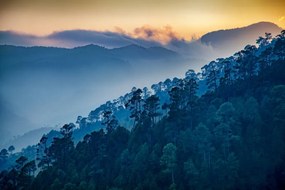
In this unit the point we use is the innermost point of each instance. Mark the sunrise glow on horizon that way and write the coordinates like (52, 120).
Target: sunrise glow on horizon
(185, 18)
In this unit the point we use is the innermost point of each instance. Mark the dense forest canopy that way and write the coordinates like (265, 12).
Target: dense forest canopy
(231, 137)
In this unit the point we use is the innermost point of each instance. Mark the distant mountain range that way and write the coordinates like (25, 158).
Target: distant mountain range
(93, 58)
(222, 41)
(40, 83)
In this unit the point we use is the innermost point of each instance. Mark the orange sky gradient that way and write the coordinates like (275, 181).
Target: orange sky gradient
(187, 18)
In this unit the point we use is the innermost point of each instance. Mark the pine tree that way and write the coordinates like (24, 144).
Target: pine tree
(151, 108)
(135, 105)
(61, 147)
(110, 121)
(210, 71)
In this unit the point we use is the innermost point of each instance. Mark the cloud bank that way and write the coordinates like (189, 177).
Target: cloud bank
(143, 36)
(163, 35)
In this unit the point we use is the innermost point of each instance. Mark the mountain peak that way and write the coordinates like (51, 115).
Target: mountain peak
(133, 46)
(231, 40)
(256, 26)
(264, 24)
(90, 46)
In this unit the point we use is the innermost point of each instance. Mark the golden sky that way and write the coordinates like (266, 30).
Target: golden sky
(186, 17)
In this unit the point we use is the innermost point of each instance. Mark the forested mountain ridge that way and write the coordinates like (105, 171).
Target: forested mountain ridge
(231, 137)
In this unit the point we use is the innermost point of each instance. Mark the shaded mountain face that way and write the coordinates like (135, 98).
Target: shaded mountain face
(228, 41)
(51, 86)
